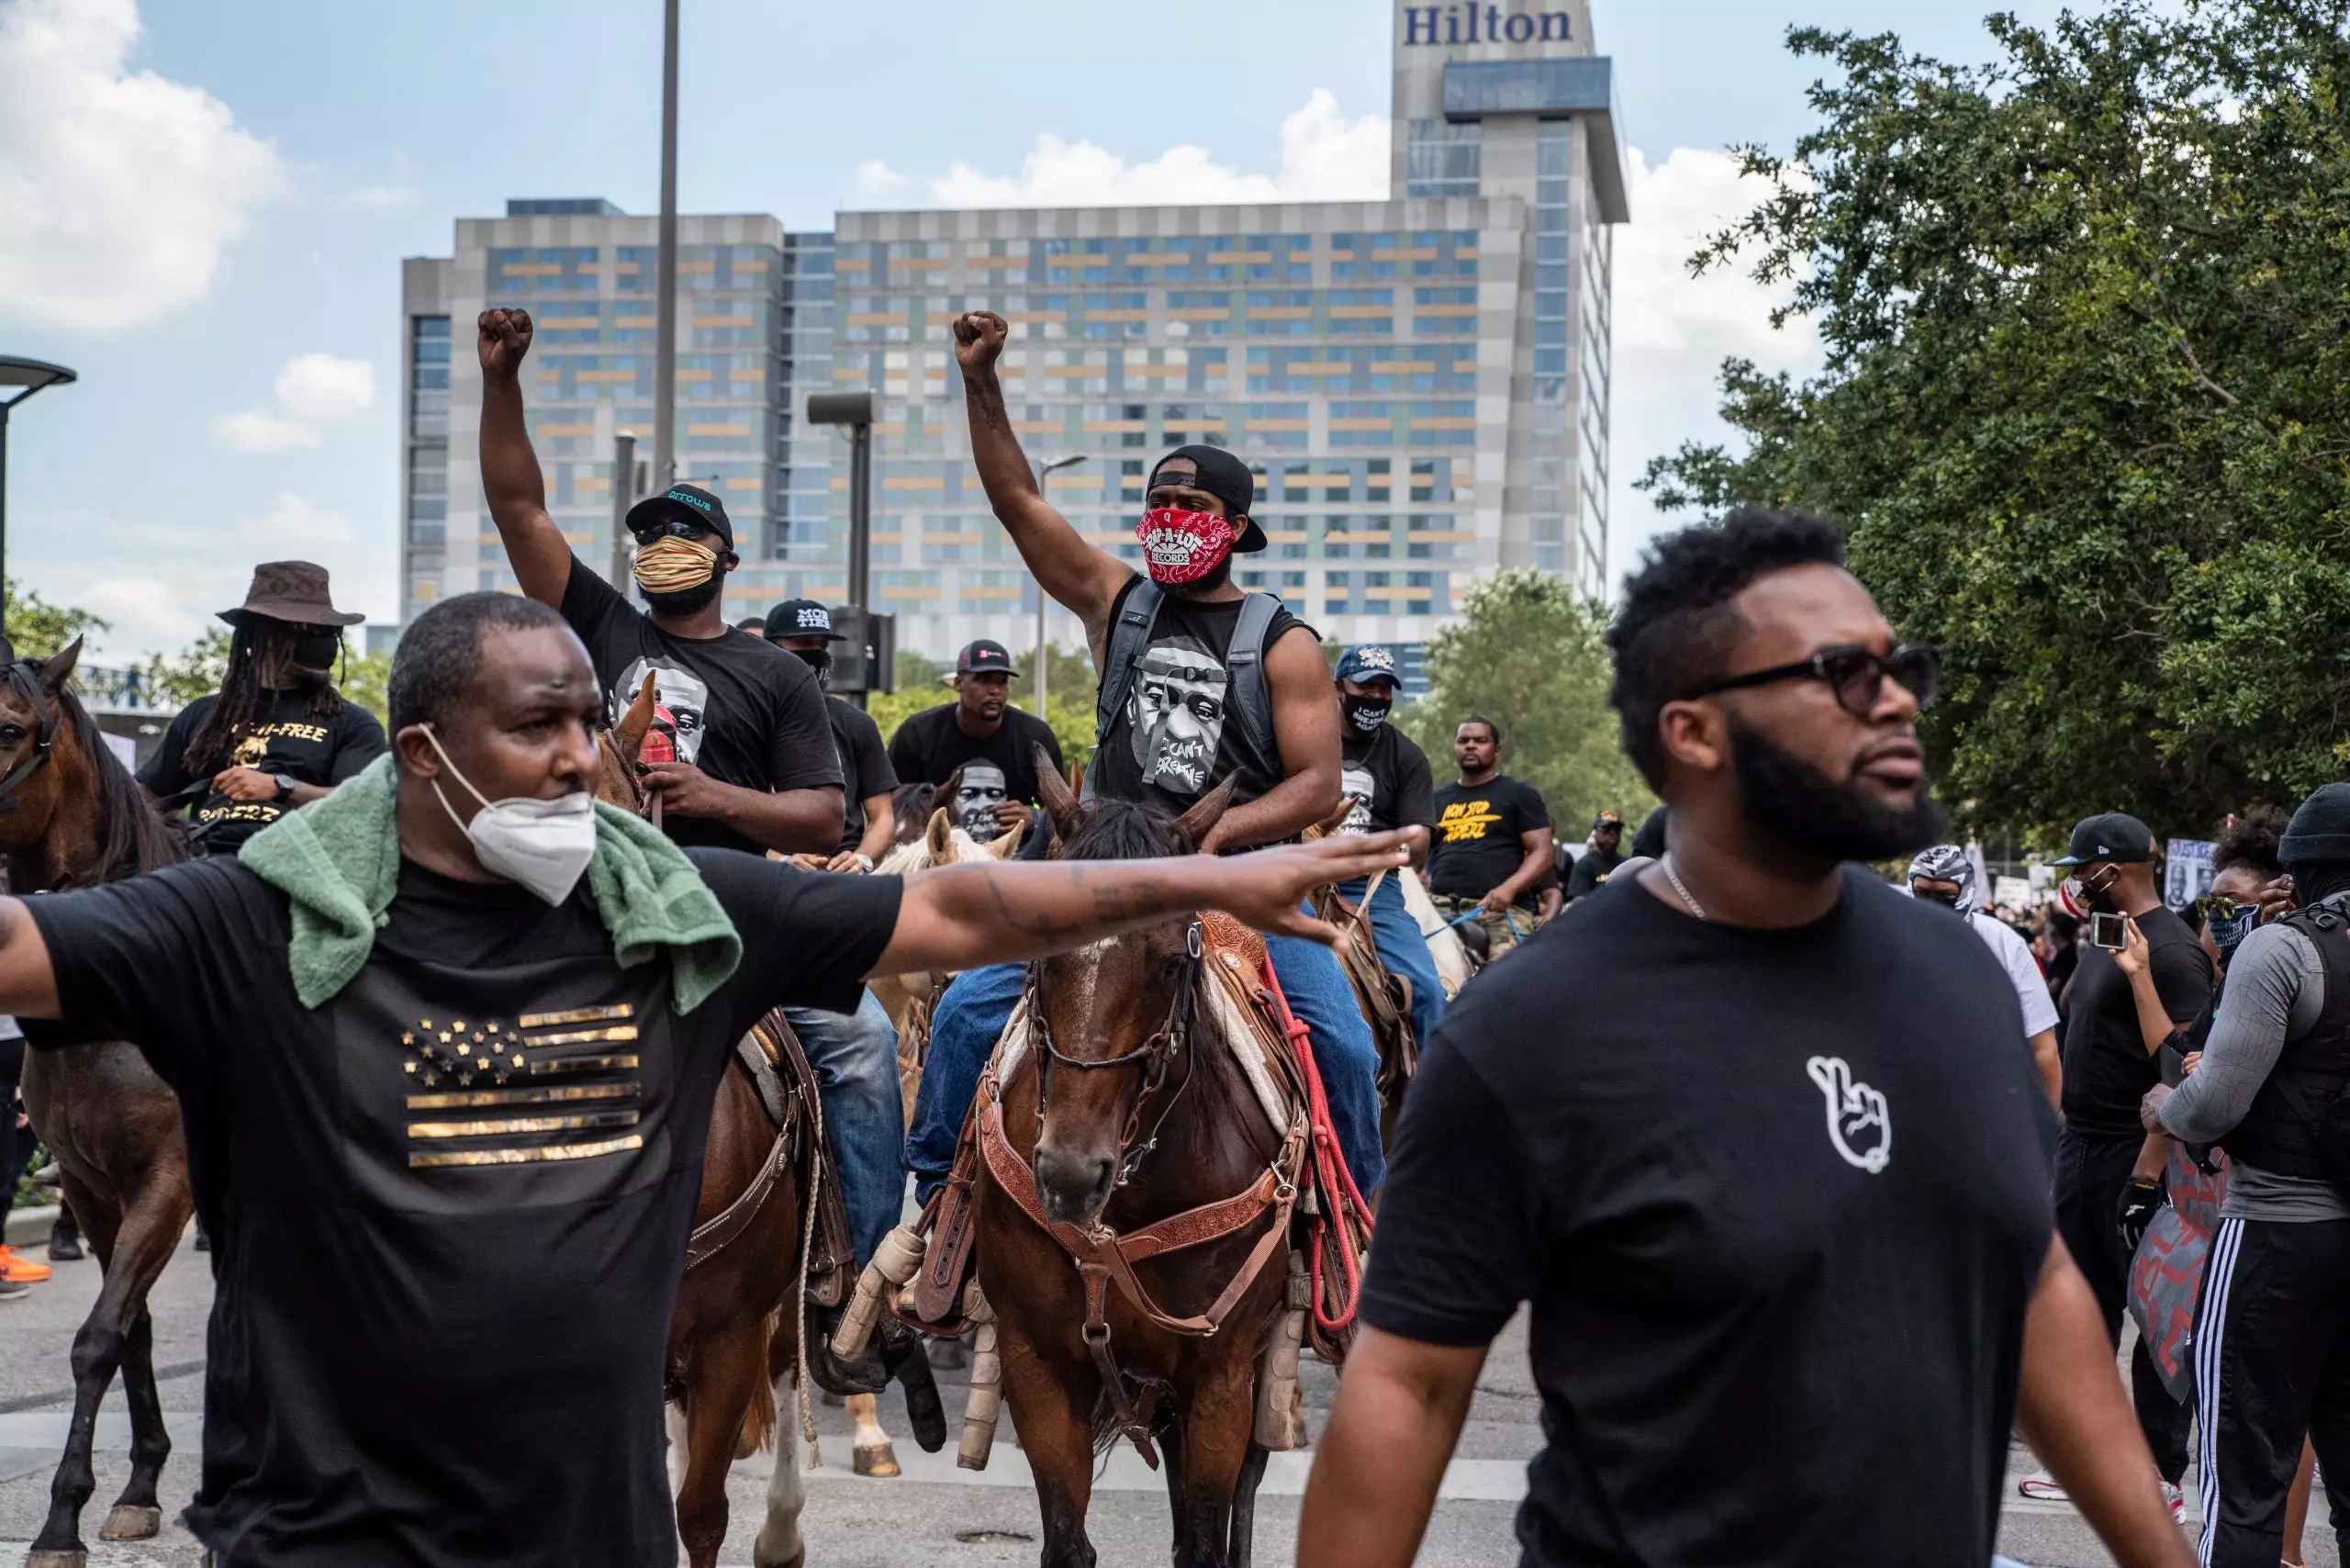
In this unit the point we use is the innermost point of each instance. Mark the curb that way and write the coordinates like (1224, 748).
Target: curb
(27, 1227)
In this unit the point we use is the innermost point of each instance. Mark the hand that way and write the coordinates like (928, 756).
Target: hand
(2192, 1060)
(1495, 903)
(505, 340)
(1010, 815)
(811, 862)
(2131, 959)
(2150, 1108)
(2275, 899)
(1265, 888)
(685, 789)
(2141, 1201)
(245, 784)
(978, 339)
(849, 860)
(1858, 1120)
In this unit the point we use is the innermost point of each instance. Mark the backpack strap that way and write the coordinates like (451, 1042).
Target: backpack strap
(1252, 701)
(1122, 660)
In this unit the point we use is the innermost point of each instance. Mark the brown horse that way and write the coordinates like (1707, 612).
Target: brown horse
(71, 816)
(1127, 1107)
(733, 1350)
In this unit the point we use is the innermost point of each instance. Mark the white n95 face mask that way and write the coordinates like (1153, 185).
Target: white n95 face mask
(543, 845)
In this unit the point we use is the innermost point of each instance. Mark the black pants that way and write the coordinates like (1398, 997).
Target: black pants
(2090, 1173)
(2272, 1363)
(16, 1150)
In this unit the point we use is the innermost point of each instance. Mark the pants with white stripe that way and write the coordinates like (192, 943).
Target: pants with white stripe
(2272, 1361)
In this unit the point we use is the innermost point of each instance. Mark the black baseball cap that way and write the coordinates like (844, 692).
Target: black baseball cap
(802, 618)
(983, 657)
(2112, 835)
(690, 502)
(1225, 478)
(1606, 819)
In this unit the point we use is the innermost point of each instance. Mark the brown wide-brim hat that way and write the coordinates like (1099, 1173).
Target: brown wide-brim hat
(290, 590)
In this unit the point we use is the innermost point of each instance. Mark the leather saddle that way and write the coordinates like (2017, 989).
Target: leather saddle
(770, 1059)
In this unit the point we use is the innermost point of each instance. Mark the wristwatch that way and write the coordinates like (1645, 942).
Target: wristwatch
(284, 787)
(864, 861)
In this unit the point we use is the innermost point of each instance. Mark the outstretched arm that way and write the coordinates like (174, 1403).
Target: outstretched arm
(2073, 1410)
(1398, 1413)
(959, 917)
(28, 984)
(1079, 575)
(510, 469)
(1306, 727)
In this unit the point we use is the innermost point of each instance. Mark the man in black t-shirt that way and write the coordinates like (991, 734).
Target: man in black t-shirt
(1387, 777)
(803, 628)
(991, 743)
(277, 734)
(1493, 840)
(742, 753)
(1595, 864)
(449, 1154)
(1758, 1137)
(2108, 1068)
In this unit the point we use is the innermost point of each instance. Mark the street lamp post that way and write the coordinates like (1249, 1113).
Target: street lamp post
(29, 375)
(665, 308)
(854, 410)
(1044, 604)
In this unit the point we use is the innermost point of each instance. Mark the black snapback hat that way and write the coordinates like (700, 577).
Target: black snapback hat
(2110, 836)
(802, 618)
(983, 656)
(690, 502)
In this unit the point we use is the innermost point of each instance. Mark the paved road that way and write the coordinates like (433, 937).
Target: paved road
(935, 1514)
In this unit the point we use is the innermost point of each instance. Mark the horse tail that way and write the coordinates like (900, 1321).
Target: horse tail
(757, 1434)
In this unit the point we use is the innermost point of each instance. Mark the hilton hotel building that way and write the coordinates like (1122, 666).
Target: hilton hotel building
(1421, 383)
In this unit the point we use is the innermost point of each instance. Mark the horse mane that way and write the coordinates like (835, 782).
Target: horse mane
(911, 805)
(136, 838)
(1123, 829)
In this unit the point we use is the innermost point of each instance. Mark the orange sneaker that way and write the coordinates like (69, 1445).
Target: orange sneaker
(20, 1270)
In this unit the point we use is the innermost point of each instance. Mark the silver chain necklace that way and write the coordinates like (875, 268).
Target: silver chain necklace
(1695, 908)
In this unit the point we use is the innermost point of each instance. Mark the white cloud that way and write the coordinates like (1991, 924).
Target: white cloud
(118, 190)
(311, 390)
(1324, 157)
(397, 190)
(295, 528)
(1674, 330)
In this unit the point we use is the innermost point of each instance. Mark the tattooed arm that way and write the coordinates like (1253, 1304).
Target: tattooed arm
(1079, 576)
(959, 917)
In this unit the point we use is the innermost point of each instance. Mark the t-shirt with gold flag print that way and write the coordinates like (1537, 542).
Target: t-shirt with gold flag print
(286, 738)
(449, 1207)
(1479, 836)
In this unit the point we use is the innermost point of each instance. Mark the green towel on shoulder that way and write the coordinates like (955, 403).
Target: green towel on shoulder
(338, 863)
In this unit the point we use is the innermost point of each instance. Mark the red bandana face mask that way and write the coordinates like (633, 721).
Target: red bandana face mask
(1179, 547)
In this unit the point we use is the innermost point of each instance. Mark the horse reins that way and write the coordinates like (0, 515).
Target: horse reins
(1154, 1055)
(27, 685)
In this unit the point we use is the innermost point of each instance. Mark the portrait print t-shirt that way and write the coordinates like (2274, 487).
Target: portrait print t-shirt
(1779, 1199)
(285, 738)
(1479, 843)
(930, 746)
(449, 1207)
(1173, 741)
(735, 706)
(1387, 777)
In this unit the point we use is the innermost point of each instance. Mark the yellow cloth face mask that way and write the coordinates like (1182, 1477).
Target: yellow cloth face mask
(671, 565)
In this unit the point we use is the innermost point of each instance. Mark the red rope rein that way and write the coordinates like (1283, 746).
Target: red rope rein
(1337, 1183)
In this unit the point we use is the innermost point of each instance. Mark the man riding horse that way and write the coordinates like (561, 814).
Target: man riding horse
(1200, 683)
(446, 1045)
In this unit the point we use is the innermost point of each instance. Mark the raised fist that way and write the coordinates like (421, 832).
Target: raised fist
(978, 339)
(505, 339)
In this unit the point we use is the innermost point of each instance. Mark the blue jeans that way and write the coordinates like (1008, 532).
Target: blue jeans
(855, 1059)
(971, 1015)
(1403, 950)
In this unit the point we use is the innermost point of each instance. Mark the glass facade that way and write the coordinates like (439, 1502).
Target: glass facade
(1443, 157)
(426, 491)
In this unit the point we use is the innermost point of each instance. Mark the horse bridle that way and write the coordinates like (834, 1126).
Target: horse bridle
(27, 685)
(1154, 1055)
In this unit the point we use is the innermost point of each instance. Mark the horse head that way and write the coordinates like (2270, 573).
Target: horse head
(618, 748)
(33, 736)
(1112, 1023)
(70, 812)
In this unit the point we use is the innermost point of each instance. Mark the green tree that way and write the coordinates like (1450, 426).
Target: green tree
(194, 671)
(2084, 311)
(1528, 655)
(39, 629)
(921, 683)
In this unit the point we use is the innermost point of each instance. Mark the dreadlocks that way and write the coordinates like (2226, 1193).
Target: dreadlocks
(259, 652)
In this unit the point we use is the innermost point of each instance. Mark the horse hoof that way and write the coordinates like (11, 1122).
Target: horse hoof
(130, 1523)
(57, 1560)
(759, 1558)
(880, 1460)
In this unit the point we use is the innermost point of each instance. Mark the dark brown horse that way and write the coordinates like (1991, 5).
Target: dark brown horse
(1126, 1108)
(71, 816)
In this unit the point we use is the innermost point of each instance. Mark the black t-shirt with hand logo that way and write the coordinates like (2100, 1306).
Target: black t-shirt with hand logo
(1779, 1200)
(1479, 832)
(285, 738)
(735, 705)
(448, 1207)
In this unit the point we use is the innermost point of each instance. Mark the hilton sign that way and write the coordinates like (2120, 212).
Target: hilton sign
(1471, 23)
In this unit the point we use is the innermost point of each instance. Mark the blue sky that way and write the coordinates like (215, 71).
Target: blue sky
(220, 192)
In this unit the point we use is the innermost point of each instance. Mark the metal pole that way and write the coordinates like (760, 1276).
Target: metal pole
(860, 515)
(1043, 603)
(665, 332)
(623, 497)
(3, 522)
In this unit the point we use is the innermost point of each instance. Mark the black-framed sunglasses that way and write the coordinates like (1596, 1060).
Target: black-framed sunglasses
(1856, 674)
(674, 528)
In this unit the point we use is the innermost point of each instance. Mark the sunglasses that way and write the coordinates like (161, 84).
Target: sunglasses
(2220, 906)
(674, 528)
(1856, 674)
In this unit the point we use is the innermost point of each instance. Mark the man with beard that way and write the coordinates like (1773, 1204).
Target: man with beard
(1493, 840)
(1760, 1139)
(982, 735)
(1201, 683)
(1387, 777)
(2108, 1168)
(277, 734)
(743, 755)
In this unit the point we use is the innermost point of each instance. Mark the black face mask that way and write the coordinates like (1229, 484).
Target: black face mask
(818, 659)
(1364, 714)
(316, 650)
